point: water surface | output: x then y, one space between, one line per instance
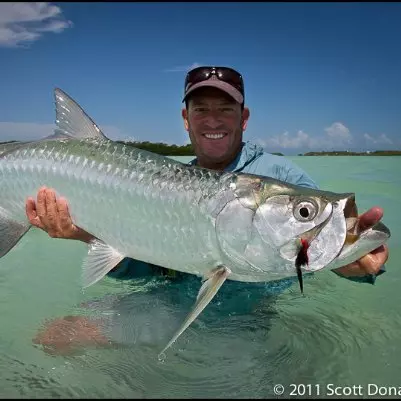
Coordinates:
250 338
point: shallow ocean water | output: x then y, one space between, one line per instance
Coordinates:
250 339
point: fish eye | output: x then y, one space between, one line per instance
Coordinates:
305 210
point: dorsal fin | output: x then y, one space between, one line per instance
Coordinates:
71 120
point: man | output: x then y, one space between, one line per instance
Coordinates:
215 117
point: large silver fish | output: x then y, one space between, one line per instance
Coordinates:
218 225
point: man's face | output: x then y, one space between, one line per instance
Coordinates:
215 123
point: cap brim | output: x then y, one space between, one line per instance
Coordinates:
215 83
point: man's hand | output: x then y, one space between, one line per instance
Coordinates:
52 215
372 262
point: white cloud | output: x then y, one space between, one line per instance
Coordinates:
287 141
183 68
335 136
23 23
382 138
339 132
368 137
14 131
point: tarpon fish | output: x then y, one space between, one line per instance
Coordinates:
214 224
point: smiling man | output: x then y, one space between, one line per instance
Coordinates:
215 117
215 122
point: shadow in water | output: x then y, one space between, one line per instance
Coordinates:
153 315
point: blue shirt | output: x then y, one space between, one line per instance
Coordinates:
252 159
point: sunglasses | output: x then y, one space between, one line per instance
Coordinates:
226 74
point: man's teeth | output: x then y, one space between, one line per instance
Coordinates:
214 136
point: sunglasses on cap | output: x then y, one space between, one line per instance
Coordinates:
224 74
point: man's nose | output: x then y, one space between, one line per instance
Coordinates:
212 121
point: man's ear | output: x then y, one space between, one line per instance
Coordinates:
245 117
184 114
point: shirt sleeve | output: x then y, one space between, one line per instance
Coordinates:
295 175
283 169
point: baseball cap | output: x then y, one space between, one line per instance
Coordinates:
223 78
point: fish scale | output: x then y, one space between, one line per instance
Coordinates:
141 207
218 225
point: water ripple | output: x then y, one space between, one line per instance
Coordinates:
231 351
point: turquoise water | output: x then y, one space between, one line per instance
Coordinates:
247 341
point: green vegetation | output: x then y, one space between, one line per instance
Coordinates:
187 150
162 148
168 150
158 148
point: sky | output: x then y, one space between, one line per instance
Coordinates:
318 76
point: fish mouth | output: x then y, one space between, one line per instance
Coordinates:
351 220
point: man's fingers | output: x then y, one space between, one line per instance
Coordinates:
30 209
41 205
379 257
51 209
372 262
364 266
45 215
368 264
52 215
351 270
370 218
64 214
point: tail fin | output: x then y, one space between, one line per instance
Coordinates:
11 231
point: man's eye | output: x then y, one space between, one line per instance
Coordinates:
200 109
227 109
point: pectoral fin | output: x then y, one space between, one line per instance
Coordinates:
11 231
209 289
100 260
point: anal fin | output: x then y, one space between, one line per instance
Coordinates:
11 231
100 260
209 289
